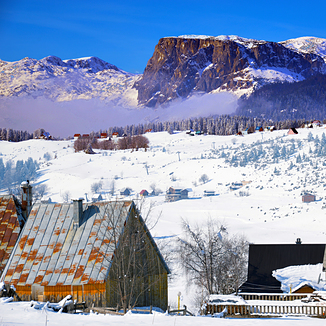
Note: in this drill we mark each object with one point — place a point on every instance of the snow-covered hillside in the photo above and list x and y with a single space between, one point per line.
269 172
275 169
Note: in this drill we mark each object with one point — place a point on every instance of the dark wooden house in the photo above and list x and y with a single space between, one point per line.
265 258
11 223
101 253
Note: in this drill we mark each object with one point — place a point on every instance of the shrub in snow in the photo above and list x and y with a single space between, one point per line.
96 187
204 178
47 156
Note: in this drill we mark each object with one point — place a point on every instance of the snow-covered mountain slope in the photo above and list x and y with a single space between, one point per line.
66 80
313 45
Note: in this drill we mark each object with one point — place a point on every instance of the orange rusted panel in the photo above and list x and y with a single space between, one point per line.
30 241
23 241
54 253
80 271
38 279
23 278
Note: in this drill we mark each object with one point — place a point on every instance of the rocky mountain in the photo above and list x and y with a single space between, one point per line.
66 80
184 65
179 68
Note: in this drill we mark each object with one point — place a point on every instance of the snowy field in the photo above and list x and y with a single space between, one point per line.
12 314
274 168
268 209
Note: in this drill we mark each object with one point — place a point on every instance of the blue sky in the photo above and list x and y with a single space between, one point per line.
125 33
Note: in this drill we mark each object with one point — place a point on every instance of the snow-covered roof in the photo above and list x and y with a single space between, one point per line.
294 277
218 299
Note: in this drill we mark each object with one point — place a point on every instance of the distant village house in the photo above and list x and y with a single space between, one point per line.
308 198
173 194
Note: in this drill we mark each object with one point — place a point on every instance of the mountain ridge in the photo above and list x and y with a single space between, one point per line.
179 68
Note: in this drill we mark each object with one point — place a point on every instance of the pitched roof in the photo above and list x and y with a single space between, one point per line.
52 250
10 219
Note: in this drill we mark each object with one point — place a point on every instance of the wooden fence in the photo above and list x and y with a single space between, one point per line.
268 309
183 311
273 296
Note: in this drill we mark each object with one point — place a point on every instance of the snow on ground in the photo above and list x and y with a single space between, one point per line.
22 313
268 208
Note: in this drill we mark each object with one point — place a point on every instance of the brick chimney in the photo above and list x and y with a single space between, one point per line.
27 198
78 211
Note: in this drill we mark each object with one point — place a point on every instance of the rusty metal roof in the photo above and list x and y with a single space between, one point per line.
52 250
9 227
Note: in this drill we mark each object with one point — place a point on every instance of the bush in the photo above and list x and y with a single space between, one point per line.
96 187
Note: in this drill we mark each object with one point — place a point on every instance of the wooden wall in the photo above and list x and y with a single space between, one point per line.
137 276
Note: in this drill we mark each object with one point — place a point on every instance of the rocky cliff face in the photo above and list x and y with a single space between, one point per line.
181 66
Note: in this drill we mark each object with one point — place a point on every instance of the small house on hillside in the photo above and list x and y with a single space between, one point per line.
259 129
173 194
115 134
101 253
104 135
316 123
97 197
125 192
308 198
292 131
264 259
76 136
236 185
209 193
144 193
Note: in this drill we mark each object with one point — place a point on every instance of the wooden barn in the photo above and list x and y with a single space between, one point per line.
101 253
265 258
11 223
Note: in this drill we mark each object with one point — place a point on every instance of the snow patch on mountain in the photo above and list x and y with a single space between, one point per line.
309 44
